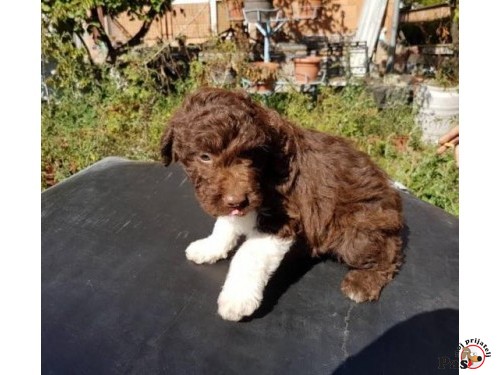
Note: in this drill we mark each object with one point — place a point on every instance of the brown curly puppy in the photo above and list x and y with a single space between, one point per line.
274 183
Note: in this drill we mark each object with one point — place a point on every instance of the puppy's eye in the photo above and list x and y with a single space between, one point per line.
206 158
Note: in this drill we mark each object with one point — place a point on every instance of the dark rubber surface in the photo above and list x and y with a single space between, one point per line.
119 296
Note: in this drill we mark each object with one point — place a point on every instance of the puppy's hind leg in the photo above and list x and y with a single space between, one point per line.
374 258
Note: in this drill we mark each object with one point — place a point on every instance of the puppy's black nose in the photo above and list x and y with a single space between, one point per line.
235 201
479 358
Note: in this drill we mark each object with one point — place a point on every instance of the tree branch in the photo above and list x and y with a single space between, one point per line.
97 16
137 38
86 48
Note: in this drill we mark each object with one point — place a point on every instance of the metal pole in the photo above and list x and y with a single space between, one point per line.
265 30
213 16
394 34
267 42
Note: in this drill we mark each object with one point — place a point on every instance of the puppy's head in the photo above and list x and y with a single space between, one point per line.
228 148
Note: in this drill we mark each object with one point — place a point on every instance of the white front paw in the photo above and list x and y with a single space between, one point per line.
204 251
235 305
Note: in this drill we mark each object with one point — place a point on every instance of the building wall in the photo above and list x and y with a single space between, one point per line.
187 18
336 17
123 27
191 18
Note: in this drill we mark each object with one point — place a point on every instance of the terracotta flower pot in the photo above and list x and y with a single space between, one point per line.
307 69
263 76
264 87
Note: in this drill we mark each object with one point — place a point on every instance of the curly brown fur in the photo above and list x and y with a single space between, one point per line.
302 183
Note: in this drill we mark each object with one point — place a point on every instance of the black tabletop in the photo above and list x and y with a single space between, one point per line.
119 296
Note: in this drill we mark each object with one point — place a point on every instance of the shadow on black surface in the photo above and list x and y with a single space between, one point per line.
423 344
405 235
294 266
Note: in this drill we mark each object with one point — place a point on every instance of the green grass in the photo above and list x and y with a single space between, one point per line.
389 136
78 130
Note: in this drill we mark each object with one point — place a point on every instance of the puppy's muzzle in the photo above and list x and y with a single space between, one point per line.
238 201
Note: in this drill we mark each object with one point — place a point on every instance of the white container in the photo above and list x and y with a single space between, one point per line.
437 111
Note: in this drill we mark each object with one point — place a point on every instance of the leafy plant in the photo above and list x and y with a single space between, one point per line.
389 136
447 72
109 120
222 61
66 18
260 72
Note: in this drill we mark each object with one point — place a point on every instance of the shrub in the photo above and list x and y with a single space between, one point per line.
122 113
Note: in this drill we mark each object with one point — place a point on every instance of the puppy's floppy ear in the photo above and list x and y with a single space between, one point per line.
167 146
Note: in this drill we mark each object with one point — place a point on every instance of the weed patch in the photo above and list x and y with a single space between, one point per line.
126 118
